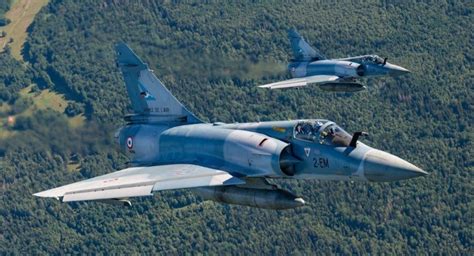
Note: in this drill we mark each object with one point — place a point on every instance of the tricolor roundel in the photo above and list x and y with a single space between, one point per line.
129 143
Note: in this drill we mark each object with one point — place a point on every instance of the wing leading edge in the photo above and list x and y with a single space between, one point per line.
141 181
303 81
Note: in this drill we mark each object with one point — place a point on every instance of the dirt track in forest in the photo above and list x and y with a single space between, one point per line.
21 15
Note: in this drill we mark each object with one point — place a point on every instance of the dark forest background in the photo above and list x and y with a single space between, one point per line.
212 56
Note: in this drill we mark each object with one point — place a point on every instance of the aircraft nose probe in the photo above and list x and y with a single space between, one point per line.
382 166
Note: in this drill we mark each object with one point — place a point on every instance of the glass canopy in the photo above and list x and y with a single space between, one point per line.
323 132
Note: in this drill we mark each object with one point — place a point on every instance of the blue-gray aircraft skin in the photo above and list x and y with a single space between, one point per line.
170 148
337 75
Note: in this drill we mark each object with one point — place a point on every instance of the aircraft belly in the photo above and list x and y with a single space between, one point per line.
325 177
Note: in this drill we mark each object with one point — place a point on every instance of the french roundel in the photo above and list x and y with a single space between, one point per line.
129 142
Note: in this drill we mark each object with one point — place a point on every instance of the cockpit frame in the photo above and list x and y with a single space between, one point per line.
375 59
322 132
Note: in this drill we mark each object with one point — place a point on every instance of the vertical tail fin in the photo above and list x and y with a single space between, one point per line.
302 51
151 100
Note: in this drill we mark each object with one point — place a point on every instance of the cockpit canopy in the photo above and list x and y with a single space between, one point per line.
375 59
323 132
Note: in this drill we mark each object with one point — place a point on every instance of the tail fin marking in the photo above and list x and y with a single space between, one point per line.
149 97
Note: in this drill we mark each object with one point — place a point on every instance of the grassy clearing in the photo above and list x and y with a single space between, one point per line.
77 121
73 167
45 99
21 14
4 131
4 108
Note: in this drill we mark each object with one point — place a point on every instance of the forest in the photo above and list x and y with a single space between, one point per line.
4 6
212 56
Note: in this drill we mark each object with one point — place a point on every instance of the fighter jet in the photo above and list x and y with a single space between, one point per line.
335 75
171 148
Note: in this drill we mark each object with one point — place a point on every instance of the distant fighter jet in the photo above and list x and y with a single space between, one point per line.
336 75
171 148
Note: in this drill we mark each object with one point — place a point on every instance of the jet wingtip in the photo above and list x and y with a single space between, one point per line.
48 193
41 194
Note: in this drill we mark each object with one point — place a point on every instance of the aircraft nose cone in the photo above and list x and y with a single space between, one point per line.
396 70
381 166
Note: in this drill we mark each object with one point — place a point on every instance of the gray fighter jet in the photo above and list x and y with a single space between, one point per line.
336 75
170 148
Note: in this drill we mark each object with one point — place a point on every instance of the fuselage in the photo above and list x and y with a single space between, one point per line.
345 69
348 68
299 149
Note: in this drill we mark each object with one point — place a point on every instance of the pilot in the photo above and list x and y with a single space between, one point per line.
298 129
322 136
